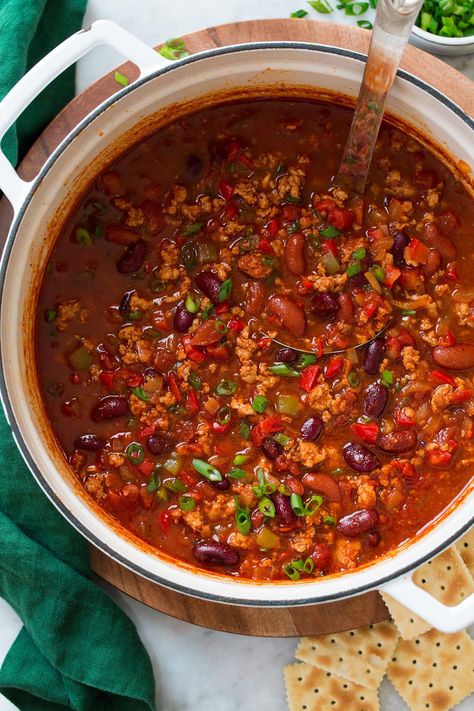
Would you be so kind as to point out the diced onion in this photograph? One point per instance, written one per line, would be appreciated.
(370, 276)
(352, 356)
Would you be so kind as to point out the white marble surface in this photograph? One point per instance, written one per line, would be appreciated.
(198, 669)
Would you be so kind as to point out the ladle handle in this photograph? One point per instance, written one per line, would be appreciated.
(393, 23)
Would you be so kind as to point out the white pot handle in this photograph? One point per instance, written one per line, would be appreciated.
(43, 73)
(445, 618)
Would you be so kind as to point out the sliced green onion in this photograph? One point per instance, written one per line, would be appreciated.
(192, 304)
(240, 459)
(378, 272)
(207, 312)
(154, 482)
(224, 415)
(267, 507)
(244, 430)
(174, 49)
(365, 24)
(225, 290)
(175, 485)
(135, 453)
(84, 237)
(315, 241)
(321, 6)
(121, 79)
(329, 520)
(135, 315)
(330, 232)
(186, 503)
(192, 229)
(387, 377)
(408, 312)
(207, 470)
(304, 360)
(50, 315)
(264, 487)
(292, 198)
(359, 253)
(260, 404)
(356, 8)
(299, 13)
(283, 370)
(353, 379)
(292, 572)
(294, 227)
(172, 464)
(226, 387)
(141, 394)
(297, 504)
(220, 327)
(157, 285)
(236, 473)
(195, 381)
(242, 517)
(354, 269)
(313, 504)
(282, 439)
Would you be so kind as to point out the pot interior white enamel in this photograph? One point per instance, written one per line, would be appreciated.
(96, 140)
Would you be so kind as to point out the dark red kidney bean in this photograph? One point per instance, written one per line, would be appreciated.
(292, 317)
(346, 307)
(182, 319)
(359, 457)
(286, 355)
(400, 241)
(373, 538)
(283, 508)
(433, 263)
(119, 234)
(374, 355)
(89, 442)
(324, 305)
(109, 407)
(159, 444)
(435, 237)
(210, 284)
(324, 483)
(358, 522)
(398, 442)
(376, 398)
(194, 166)
(359, 281)
(321, 556)
(270, 448)
(210, 551)
(221, 485)
(133, 258)
(457, 357)
(294, 253)
(254, 298)
(311, 428)
(125, 303)
(207, 332)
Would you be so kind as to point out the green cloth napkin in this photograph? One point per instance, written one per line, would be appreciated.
(77, 649)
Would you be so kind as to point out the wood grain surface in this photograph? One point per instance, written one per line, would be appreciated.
(287, 622)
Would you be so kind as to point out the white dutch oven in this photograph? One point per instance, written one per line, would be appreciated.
(38, 206)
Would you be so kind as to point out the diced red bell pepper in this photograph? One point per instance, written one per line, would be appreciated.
(417, 251)
(441, 377)
(391, 276)
(233, 149)
(340, 218)
(192, 353)
(334, 367)
(439, 458)
(165, 521)
(367, 432)
(273, 227)
(245, 160)
(107, 377)
(309, 377)
(146, 431)
(376, 233)
(222, 308)
(325, 204)
(452, 271)
(265, 246)
(146, 467)
(318, 344)
(219, 428)
(264, 343)
(236, 325)
(173, 385)
(217, 352)
(406, 469)
(289, 213)
(411, 279)
(230, 210)
(304, 286)
(462, 395)
(225, 189)
(402, 419)
(330, 245)
(135, 380)
(267, 426)
(395, 344)
(448, 339)
(192, 402)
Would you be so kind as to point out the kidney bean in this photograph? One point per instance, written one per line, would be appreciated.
(210, 284)
(400, 241)
(321, 556)
(323, 483)
(358, 522)
(433, 262)
(270, 448)
(294, 253)
(324, 305)
(159, 444)
(221, 485)
(119, 234)
(359, 457)
(206, 333)
(376, 398)
(359, 281)
(311, 428)
(398, 442)
(133, 258)
(436, 238)
(194, 166)
(457, 357)
(292, 317)
(374, 355)
(182, 319)
(163, 359)
(109, 407)
(286, 355)
(254, 298)
(346, 308)
(210, 551)
(373, 538)
(283, 508)
(89, 442)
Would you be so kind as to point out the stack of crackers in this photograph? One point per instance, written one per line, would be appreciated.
(431, 671)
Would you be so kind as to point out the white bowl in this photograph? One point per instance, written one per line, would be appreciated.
(444, 46)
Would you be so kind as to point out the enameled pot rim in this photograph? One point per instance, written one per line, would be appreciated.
(71, 516)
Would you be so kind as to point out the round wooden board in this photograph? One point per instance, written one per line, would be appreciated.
(281, 622)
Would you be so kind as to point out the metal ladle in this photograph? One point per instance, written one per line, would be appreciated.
(394, 20)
